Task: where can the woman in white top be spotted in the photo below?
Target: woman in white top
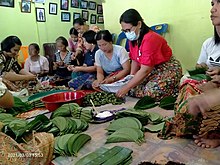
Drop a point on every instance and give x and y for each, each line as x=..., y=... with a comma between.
x=35, y=63
x=111, y=61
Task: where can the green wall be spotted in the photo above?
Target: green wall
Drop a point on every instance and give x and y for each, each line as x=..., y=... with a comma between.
x=25, y=26
x=189, y=22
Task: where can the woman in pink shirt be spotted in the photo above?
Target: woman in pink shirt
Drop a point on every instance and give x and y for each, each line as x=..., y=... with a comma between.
x=156, y=72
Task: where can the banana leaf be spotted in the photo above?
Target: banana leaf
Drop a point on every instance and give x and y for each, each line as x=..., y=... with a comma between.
x=200, y=77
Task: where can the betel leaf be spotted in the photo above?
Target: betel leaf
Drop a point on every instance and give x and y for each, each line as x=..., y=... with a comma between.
x=200, y=77
x=145, y=103
x=197, y=71
x=154, y=128
x=167, y=103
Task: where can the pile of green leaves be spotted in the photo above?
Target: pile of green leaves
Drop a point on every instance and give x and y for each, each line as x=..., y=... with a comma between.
x=74, y=110
x=147, y=102
x=102, y=98
x=115, y=155
x=69, y=125
x=127, y=129
x=70, y=144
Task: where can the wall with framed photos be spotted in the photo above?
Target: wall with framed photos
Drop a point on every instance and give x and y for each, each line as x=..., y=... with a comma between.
x=48, y=19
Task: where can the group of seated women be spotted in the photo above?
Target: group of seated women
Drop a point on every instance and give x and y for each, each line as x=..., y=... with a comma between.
x=93, y=59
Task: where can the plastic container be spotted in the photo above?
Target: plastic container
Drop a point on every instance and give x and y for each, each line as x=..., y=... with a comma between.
x=54, y=101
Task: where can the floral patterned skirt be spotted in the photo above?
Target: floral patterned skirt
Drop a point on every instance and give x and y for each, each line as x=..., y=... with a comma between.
x=163, y=81
x=184, y=124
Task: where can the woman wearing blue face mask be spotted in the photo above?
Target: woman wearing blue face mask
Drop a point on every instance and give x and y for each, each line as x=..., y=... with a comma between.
x=156, y=72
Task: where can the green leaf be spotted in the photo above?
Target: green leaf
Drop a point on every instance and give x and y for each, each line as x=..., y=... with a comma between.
x=167, y=103
x=145, y=103
x=197, y=71
x=154, y=128
x=200, y=77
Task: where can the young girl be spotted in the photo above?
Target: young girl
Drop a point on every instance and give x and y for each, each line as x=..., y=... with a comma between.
x=83, y=76
x=36, y=64
x=61, y=61
x=72, y=41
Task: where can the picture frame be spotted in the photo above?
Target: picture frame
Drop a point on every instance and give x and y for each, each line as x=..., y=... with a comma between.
x=7, y=3
x=85, y=15
x=40, y=14
x=76, y=15
x=83, y=4
x=100, y=19
x=65, y=16
x=92, y=5
x=93, y=19
x=75, y=3
x=64, y=4
x=53, y=8
x=99, y=9
x=25, y=6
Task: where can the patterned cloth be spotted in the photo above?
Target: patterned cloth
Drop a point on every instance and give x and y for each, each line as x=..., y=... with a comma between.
x=6, y=64
x=37, y=151
x=184, y=124
x=162, y=81
x=82, y=80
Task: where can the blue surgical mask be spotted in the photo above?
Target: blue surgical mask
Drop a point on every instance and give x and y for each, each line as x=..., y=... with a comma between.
x=131, y=35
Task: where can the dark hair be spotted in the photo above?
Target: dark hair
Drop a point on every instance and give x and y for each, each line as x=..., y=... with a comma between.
x=103, y=34
x=63, y=40
x=79, y=21
x=216, y=36
x=10, y=42
x=132, y=17
x=73, y=31
x=35, y=45
x=90, y=36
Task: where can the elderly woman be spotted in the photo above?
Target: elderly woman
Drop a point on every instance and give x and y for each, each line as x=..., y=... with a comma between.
x=10, y=70
x=112, y=61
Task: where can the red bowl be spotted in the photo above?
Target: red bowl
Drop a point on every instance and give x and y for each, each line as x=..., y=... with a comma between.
x=54, y=101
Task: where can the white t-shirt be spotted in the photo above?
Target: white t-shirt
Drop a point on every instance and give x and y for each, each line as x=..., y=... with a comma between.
x=119, y=57
x=41, y=64
x=210, y=53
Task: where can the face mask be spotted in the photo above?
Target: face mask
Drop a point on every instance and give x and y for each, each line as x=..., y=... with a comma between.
x=131, y=36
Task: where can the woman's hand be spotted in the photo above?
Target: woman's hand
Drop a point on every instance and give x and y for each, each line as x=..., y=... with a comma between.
x=70, y=67
x=122, y=92
x=216, y=79
x=96, y=83
x=30, y=77
x=202, y=65
x=213, y=71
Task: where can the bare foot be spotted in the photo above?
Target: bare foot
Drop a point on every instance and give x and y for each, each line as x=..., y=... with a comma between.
x=207, y=143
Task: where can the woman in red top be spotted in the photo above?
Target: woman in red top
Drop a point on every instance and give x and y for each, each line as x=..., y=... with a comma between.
x=156, y=72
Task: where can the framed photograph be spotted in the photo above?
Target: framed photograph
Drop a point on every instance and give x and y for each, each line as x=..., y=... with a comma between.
x=93, y=19
x=25, y=6
x=64, y=4
x=99, y=9
x=83, y=4
x=100, y=19
x=76, y=15
x=65, y=16
x=75, y=3
x=40, y=14
x=53, y=8
x=85, y=15
x=7, y=3
x=92, y=5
